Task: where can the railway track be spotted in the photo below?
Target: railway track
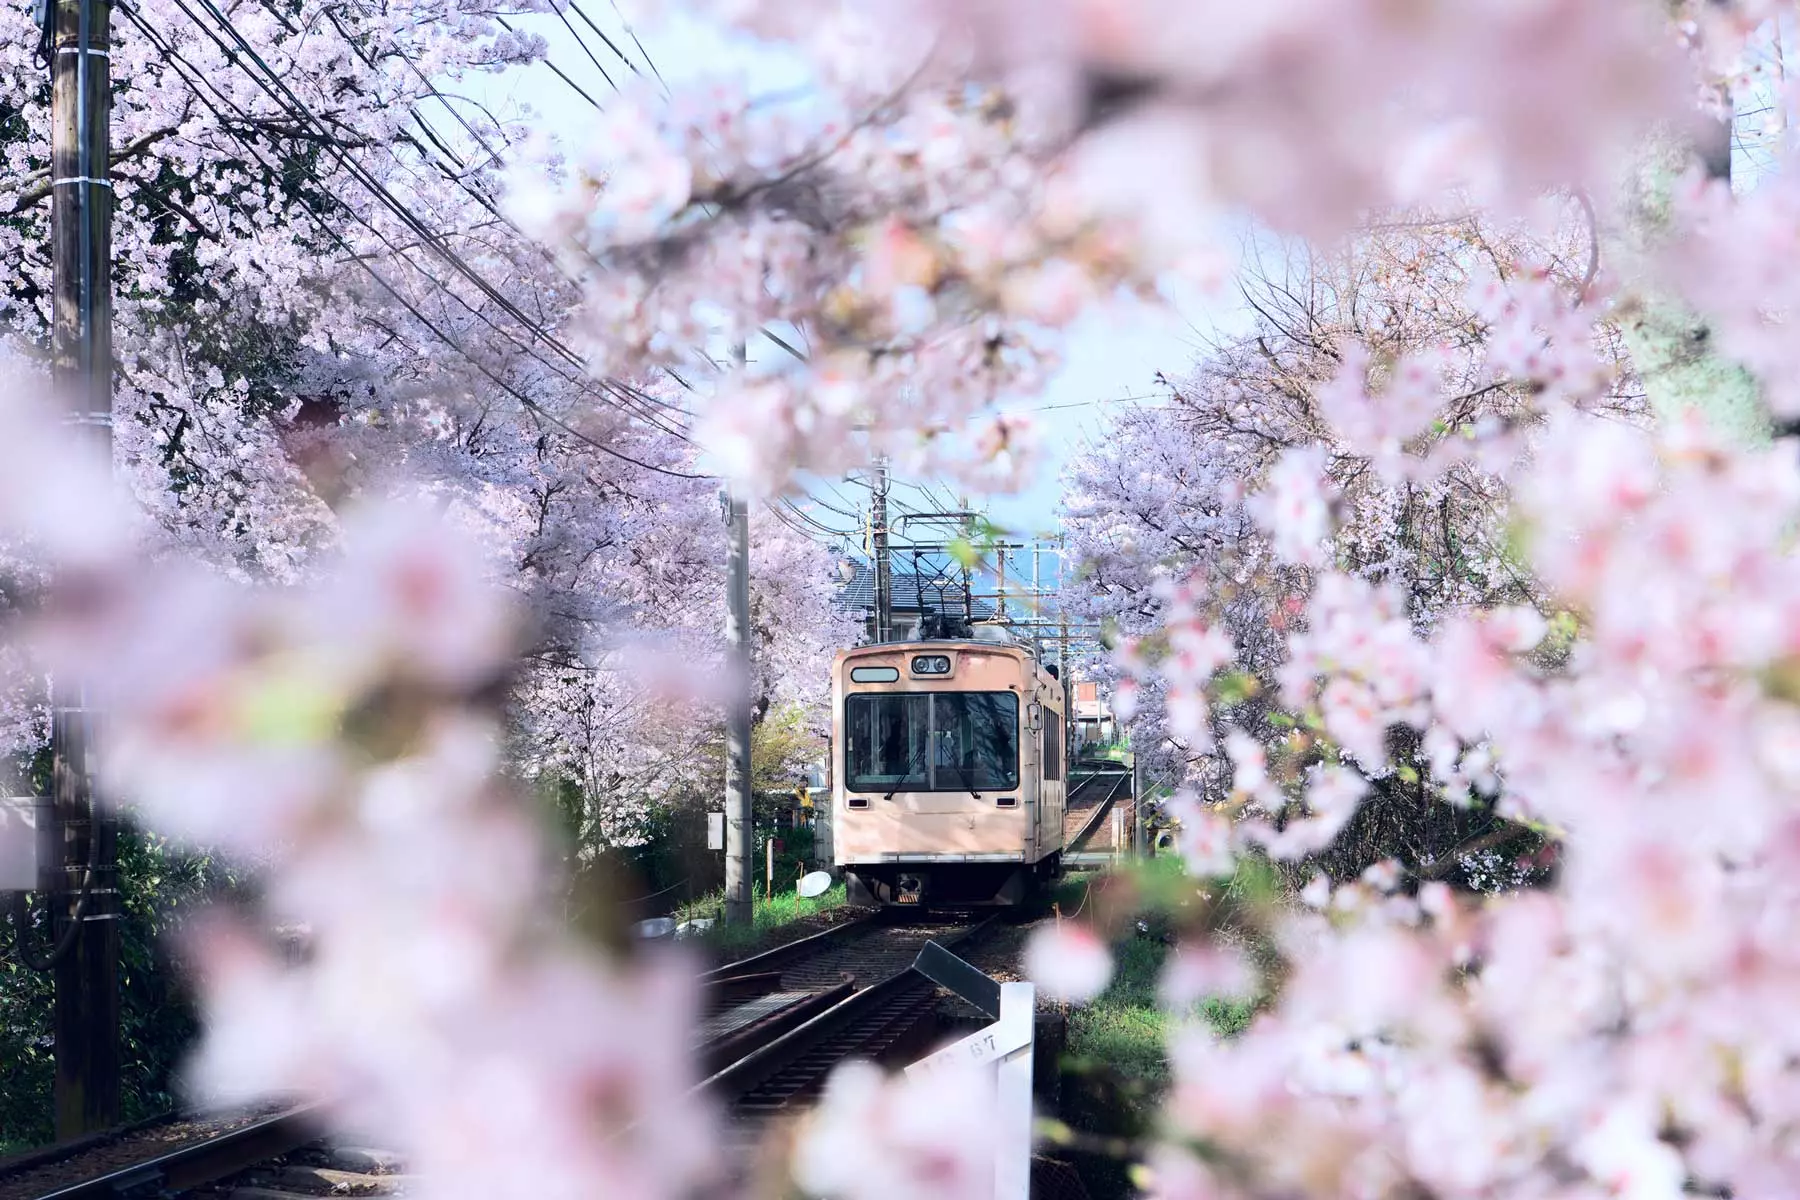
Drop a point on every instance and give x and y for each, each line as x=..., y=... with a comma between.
x=775, y=1025
x=1085, y=823
x=868, y=1019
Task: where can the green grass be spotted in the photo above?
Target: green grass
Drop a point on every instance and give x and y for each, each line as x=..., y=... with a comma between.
x=771, y=914
x=1126, y=1029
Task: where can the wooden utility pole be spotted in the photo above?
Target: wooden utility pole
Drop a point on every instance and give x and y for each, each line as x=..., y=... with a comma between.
x=739, y=831
x=83, y=871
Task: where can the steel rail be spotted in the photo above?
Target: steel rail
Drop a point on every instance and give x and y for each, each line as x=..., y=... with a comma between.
x=790, y=952
x=203, y=1162
x=892, y=1005
x=1092, y=825
x=716, y=995
x=729, y=1048
x=57, y=1152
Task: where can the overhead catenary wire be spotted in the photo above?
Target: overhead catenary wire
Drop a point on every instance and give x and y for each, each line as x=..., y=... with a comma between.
x=648, y=61
x=610, y=44
x=561, y=16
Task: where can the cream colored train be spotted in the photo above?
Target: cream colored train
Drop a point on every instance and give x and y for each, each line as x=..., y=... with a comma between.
x=948, y=764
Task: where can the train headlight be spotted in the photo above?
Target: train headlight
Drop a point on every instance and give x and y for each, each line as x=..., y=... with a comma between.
x=931, y=664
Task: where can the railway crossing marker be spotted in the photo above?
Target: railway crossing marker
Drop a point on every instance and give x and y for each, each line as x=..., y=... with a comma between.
x=1008, y=1042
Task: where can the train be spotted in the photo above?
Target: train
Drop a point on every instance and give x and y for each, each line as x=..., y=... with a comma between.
x=948, y=769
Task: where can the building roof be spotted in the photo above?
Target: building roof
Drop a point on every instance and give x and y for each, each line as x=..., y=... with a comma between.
x=942, y=593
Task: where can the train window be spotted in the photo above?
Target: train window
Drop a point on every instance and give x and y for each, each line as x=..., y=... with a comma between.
x=1052, y=734
x=975, y=741
x=885, y=744
x=932, y=742
x=874, y=674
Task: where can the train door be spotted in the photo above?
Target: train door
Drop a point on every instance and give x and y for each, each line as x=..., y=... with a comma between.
x=1052, y=757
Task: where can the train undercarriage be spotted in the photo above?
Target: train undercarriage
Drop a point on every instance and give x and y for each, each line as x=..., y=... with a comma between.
x=949, y=884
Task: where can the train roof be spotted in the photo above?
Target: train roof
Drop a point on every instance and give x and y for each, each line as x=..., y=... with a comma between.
x=1016, y=650
x=936, y=644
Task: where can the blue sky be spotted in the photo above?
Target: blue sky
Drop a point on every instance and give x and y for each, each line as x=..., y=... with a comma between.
x=1111, y=359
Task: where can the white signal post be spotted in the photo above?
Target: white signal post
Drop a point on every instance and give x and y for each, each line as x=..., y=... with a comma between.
x=1009, y=1044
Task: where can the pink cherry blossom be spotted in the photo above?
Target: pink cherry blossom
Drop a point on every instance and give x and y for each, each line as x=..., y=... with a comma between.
x=1068, y=962
x=885, y=1138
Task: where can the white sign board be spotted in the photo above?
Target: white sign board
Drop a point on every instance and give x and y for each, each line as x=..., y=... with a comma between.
x=1007, y=1044
x=18, y=844
x=715, y=831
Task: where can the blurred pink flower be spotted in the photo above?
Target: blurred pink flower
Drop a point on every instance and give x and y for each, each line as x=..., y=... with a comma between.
x=879, y=1137
x=1068, y=962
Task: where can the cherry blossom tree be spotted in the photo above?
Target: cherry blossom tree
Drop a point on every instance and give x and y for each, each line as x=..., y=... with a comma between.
x=1428, y=311
x=319, y=299
x=961, y=182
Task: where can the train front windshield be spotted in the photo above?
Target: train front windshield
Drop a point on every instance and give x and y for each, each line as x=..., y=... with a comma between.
x=932, y=742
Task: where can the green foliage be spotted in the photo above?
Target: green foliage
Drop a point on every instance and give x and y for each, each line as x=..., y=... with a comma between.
x=771, y=915
x=1126, y=1030
x=1234, y=687
x=159, y=886
x=781, y=747
x=26, y=1053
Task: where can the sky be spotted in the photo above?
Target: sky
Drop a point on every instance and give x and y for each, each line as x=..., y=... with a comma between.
x=1111, y=358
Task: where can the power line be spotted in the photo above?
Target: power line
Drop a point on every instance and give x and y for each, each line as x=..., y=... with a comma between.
x=584, y=47
x=621, y=395
x=581, y=91
x=174, y=56
x=610, y=45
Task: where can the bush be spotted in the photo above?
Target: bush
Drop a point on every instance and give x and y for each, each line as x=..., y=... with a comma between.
x=158, y=887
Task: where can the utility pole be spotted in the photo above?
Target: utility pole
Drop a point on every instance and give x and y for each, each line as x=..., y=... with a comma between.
x=968, y=535
x=1001, y=590
x=884, y=578
x=1137, y=799
x=1062, y=614
x=82, y=869
x=1037, y=619
x=1062, y=655
x=738, y=828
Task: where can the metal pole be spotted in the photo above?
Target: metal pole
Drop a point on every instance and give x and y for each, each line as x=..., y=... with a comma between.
x=739, y=906
x=1037, y=612
x=86, y=1018
x=884, y=579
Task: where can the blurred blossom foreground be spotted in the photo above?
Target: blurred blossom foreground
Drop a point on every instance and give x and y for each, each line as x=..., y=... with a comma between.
x=1487, y=523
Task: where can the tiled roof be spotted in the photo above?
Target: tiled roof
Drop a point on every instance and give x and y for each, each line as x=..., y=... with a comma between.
x=942, y=594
